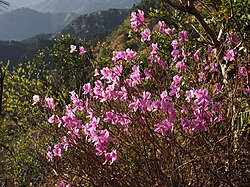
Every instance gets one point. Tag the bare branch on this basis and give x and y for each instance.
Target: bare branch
(189, 7)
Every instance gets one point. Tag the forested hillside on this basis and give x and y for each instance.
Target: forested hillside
(95, 26)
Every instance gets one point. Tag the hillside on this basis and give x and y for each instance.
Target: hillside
(95, 26)
(20, 52)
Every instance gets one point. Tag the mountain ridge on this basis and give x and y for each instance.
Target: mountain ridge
(94, 26)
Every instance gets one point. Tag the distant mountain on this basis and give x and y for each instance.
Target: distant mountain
(95, 26)
(81, 6)
(24, 23)
(20, 52)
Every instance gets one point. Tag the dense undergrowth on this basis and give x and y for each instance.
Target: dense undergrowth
(170, 109)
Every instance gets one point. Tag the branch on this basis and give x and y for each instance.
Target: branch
(5, 147)
(189, 8)
(4, 4)
(2, 75)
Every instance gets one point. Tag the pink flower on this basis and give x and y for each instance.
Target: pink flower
(147, 74)
(181, 66)
(176, 79)
(106, 73)
(190, 95)
(213, 67)
(233, 39)
(86, 88)
(201, 96)
(123, 94)
(111, 157)
(118, 55)
(161, 26)
(174, 44)
(184, 109)
(50, 155)
(140, 17)
(184, 54)
(183, 36)
(72, 48)
(51, 119)
(49, 102)
(146, 95)
(154, 48)
(199, 125)
(217, 107)
(134, 25)
(165, 96)
(219, 118)
(186, 124)
(96, 73)
(246, 91)
(76, 101)
(36, 99)
(110, 116)
(65, 143)
(202, 77)
(58, 121)
(217, 88)
(155, 106)
(242, 71)
(175, 54)
(230, 55)
(61, 184)
(133, 16)
(57, 150)
(82, 50)
(137, 19)
(130, 54)
(197, 55)
(135, 75)
(117, 70)
(175, 90)
(163, 127)
(146, 34)
(169, 31)
(133, 106)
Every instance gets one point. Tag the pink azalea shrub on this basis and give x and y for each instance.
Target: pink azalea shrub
(162, 120)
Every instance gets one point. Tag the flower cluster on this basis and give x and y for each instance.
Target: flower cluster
(118, 94)
(73, 49)
(137, 19)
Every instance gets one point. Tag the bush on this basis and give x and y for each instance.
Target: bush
(170, 114)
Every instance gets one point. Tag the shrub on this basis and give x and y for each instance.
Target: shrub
(166, 115)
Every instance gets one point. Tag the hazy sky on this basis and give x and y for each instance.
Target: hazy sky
(14, 4)
(20, 3)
